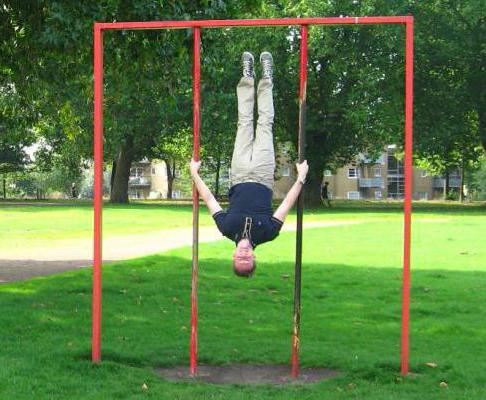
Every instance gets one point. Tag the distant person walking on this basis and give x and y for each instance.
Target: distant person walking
(325, 194)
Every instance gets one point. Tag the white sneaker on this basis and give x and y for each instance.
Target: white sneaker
(266, 60)
(248, 61)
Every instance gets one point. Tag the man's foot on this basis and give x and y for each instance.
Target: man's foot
(266, 60)
(247, 60)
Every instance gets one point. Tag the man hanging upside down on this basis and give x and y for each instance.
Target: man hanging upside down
(249, 220)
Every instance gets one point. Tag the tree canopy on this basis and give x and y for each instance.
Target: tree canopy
(355, 88)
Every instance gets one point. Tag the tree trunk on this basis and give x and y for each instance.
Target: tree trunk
(170, 177)
(312, 188)
(216, 180)
(446, 184)
(482, 126)
(112, 177)
(119, 190)
(312, 193)
(169, 188)
(4, 179)
(461, 188)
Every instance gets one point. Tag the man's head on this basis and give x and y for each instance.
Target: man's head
(326, 183)
(244, 258)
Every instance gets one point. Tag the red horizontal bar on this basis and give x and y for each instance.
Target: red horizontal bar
(254, 22)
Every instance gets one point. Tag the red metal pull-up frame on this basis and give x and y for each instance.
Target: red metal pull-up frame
(196, 90)
(300, 203)
(99, 27)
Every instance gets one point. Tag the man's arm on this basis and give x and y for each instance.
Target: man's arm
(203, 190)
(293, 193)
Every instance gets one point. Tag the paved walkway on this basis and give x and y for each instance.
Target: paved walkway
(21, 263)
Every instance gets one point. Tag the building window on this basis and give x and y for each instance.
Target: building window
(285, 170)
(327, 172)
(134, 194)
(377, 172)
(423, 196)
(396, 186)
(353, 195)
(153, 171)
(395, 166)
(378, 195)
(423, 173)
(353, 173)
(136, 172)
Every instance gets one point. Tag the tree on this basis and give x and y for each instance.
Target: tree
(175, 150)
(355, 89)
(145, 70)
(463, 34)
(448, 106)
(12, 159)
(450, 55)
(478, 181)
(14, 133)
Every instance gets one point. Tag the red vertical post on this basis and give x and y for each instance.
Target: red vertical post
(408, 196)
(98, 193)
(196, 87)
(300, 203)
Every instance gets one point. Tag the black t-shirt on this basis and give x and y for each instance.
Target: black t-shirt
(249, 214)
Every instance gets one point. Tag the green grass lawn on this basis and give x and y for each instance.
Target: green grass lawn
(39, 224)
(34, 223)
(350, 313)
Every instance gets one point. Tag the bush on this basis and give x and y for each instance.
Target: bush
(452, 195)
(478, 184)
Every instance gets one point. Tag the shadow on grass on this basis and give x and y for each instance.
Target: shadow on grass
(350, 316)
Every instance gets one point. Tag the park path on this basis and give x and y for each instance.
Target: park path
(20, 263)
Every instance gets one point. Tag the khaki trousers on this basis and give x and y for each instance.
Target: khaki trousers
(254, 156)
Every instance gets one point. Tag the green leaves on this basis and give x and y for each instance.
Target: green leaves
(355, 85)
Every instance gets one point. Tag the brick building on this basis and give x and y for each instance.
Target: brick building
(370, 179)
(365, 178)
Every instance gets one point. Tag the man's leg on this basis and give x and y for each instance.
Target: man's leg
(242, 153)
(263, 160)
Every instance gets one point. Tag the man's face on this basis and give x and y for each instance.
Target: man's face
(244, 258)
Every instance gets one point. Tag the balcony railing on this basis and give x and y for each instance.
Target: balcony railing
(371, 183)
(395, 172)
(368, 160)
(453, 182)
(139, 181)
